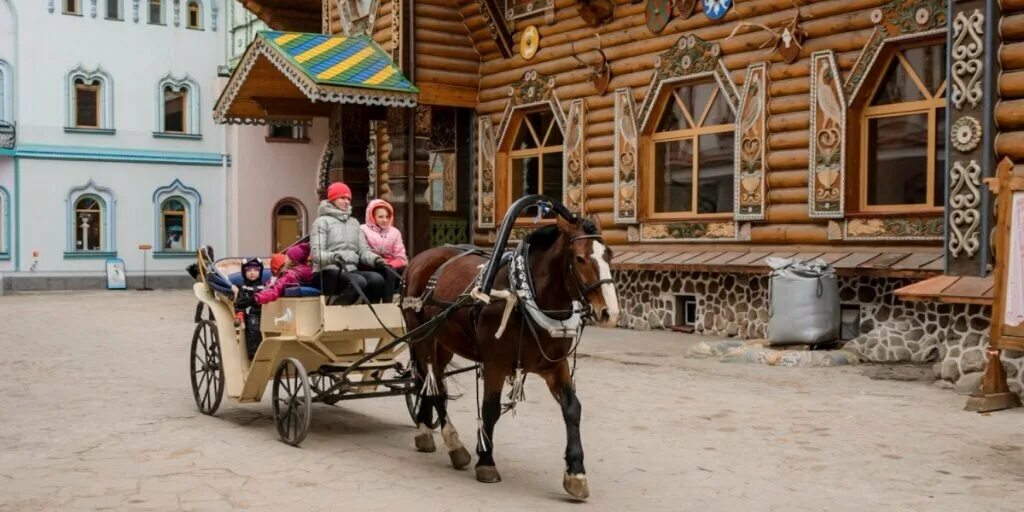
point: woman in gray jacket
(337, 246)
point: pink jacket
(294, 276)
(385, 241)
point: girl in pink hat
(385, 240)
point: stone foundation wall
(953, 336)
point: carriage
(311, 351)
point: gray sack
(803, 302)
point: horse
(567, 263)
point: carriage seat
(306, 290)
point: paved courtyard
(96, 413)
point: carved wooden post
(355, 139)
(419, 237)
(973, 43)
(398, 167)
(1007, 330)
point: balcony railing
(7, 138)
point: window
(6, 98)
(177, 108)
(286, 132)
(692, 154)
(88, 224)
(114, 9)
(176, 225)
(174, 109)
(195, 15)
(87, 103)
(156, 12)
(535, 159)
(90, 221)
(902, 134)
(5, 222)
(442, 187)
(173, 227)
(72, 7)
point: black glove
(245, 300)
(339, 260)
(379, 263)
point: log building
(704, 137)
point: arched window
(195, 15)
(156, 12)
(89, 224)
(90, 100)
(692, 150)
(289, 223)
(177, 218)
(173, 224)
(178, 107)
(5, 224)
(73, 7)
(535, 158)
(6, 94)
(90, 221)
(902, 129)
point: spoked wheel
(207, 367)
(293, 400)
(412, 401)
(321, 384)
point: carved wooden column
(420, 234)
(398, 167)
(973, 44)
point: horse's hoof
(425, 443)
(460, 457)
(487, 474)
(576, 486)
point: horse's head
(589, 262)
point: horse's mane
(546, 236)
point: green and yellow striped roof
(344, 61)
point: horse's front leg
(458, 453)
(560, 384)
(494, 379)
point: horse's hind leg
(494, 379)
(456, 451)
(560, 384)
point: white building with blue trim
(107, 140)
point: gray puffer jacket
(338, 234)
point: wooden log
(1011, 6)
(425, 11)
(446, 50)
(787, 104)
(1011, 27)
(445, 38)
(1010, 144)
(788, 159)
(1010, 114)
(447, 77)
(606, 142)
(1011, 56)
(1011, 85)
(788, 140)
(603, 128)
(787, 179)
(600, 158)
(786, 87)
(600, 174)
(787, 196)
(600, 190)
(787, 213)
(447, 64)
(600, 204)
(440, 25)
(789, 122)
(789, 233)
(614, 236)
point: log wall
(843, 26)
(1010, 109)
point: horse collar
(522, 285)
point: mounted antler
(791, 36)
(600, 74)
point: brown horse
(566, 262)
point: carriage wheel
(412, 402)
(207, 367)
(293, 398)
(321, 384)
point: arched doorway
(289, 223)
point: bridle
(581, 287)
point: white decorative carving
(967, 49)
(135, 11)
(626, 150)
(966, 134)
(92, 8)
(177, 13)
(214, 10)
(964, 198)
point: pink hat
(298, 253)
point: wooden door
(289, 225)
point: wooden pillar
(420, 234)
(399, 169)
(970, 127)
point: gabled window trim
(105, 112)
(193, 118)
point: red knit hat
(338, 190)
(276, 262)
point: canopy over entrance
(294, 76)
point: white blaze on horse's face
(604, 271)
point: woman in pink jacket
(385, 241)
